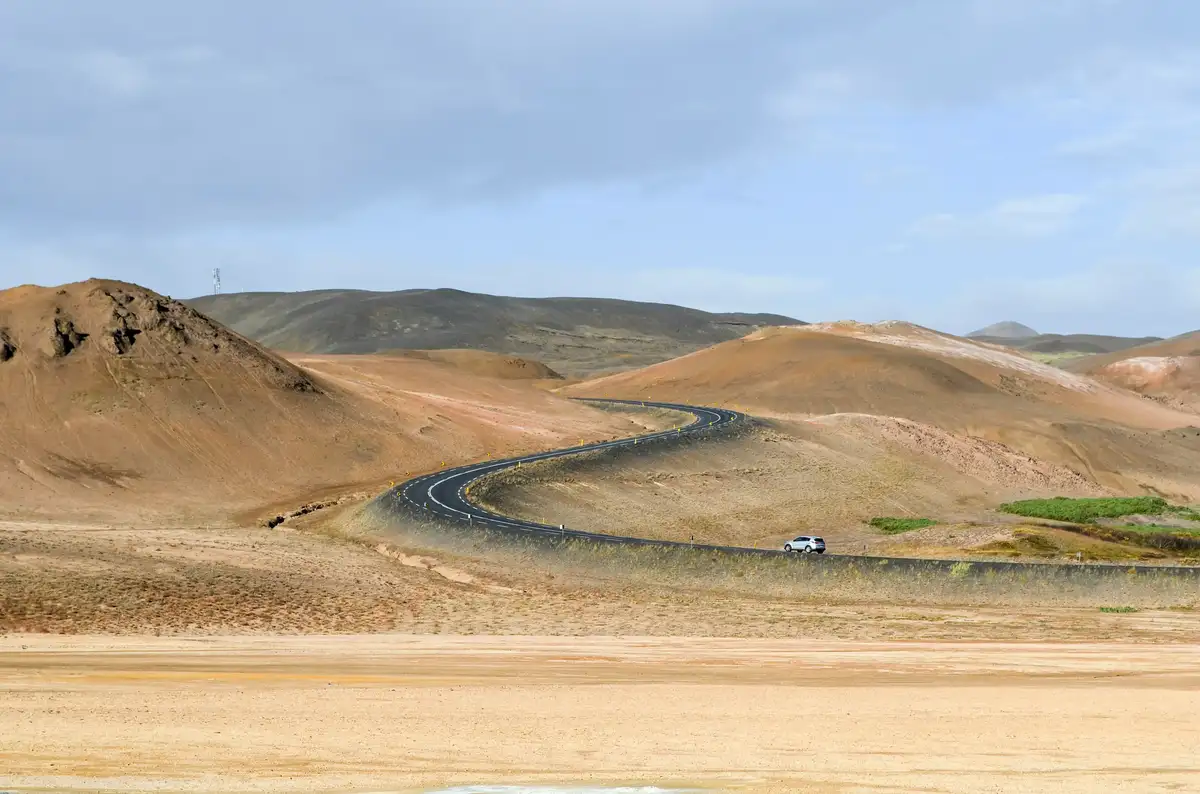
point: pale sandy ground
(408, 713)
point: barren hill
(891, 369)
(118, 402)
(1167, 370)
(481, 362)
(864, 421)
(574, 336)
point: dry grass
(773, 481)
(844, 580)
(350, 571)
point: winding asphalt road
(445, 493)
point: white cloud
(1033, 216)
(1139, 118)
(440, 104)
(368, 101)
(114, 73)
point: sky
(947, 162)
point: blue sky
(948, 162)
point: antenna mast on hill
(216, 281)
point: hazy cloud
(141, 114)
(1035, 216)
(386, 144)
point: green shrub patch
(895, 526)
(1086, 511)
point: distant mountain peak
(1008, 329)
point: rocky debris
(65, 338)
(120, 337)
(7, 348)
(312, 507)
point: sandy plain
(396, 712)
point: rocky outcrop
(8, 348)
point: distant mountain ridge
(1007, 329)
(1069, 344)
(574, 336)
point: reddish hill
(1168, 371)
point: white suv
(806, 544)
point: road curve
(444, 493)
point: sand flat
(401, 712)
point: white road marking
(714, 417)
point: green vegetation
(1086, 511)
(960, 569)
(895, 526)
(1118, 610)
(1186, 513)
(1156, 529)
(1054, 358)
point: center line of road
(457, 505)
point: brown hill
(867, 421)
(574, 336)
(1167, 370)
(890, 369)
(118, 403)
(481, 362)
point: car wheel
(808, 549)
(787, 547)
